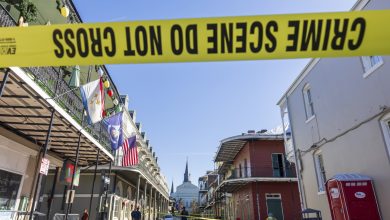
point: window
(320, 171)
(246, 168)
(239, 168)
(307, 97)
(278, 165)
(371, 63)
(9, 187)
(386, 131)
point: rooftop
(230, 147)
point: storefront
(16, 175)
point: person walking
(136, 214)
(184, 213)
(85, 215)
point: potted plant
(28, 12)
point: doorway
(274, 205)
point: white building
(338, 110)
(187, 193)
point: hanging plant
(28, 11)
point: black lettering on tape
(241, 38)
(155, 40)
(57, 35)
(311, 33)
(96, 42)
(256, 25)
(192, 39)
(141, 40)
(129, 51)
(108, 33)
(361, 22)
(82, 42)
(339, 35)
(294, 36)
(270, 47)
(213, 39)
(69, 36)
(177, 43)
(227, 37)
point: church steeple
(172, 188)
(186, 179)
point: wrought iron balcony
(141, 167)
(51, 80)
(264, 171)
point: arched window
(129, 193)
(119, 189)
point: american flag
(130, 154)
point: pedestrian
(136, 214)
(184, 213)
(270, 217)
(172, 210)
(85, 215)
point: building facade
(42, 125)
(255, 179)
(338, 111)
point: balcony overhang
(230, 147)
(25, 109)
(230, 186)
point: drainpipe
(301, 187)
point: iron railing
(51, 80)
(261, 171)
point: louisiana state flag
(93, 100)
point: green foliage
(28, 11)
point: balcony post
(150, 202)
(52, 193)
(107, 191)
(154, 205)
(93, 181)
(5, 78)
(69, 207)
(39, 180)
(143, 207)
(138, 183)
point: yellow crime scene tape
(339, 34)
(176, 216)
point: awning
(25, 112)
(230, 147)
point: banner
(339, 34)
(66, 175)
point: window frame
(283, 173)
(320, 173)
(385, 125)
(368, 67)
(308, 102)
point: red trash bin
(351, 196)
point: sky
(186, 109)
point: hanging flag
(114, 129)
(93, 100)
(130, 154)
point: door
(274, 205)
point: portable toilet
(351, 196)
